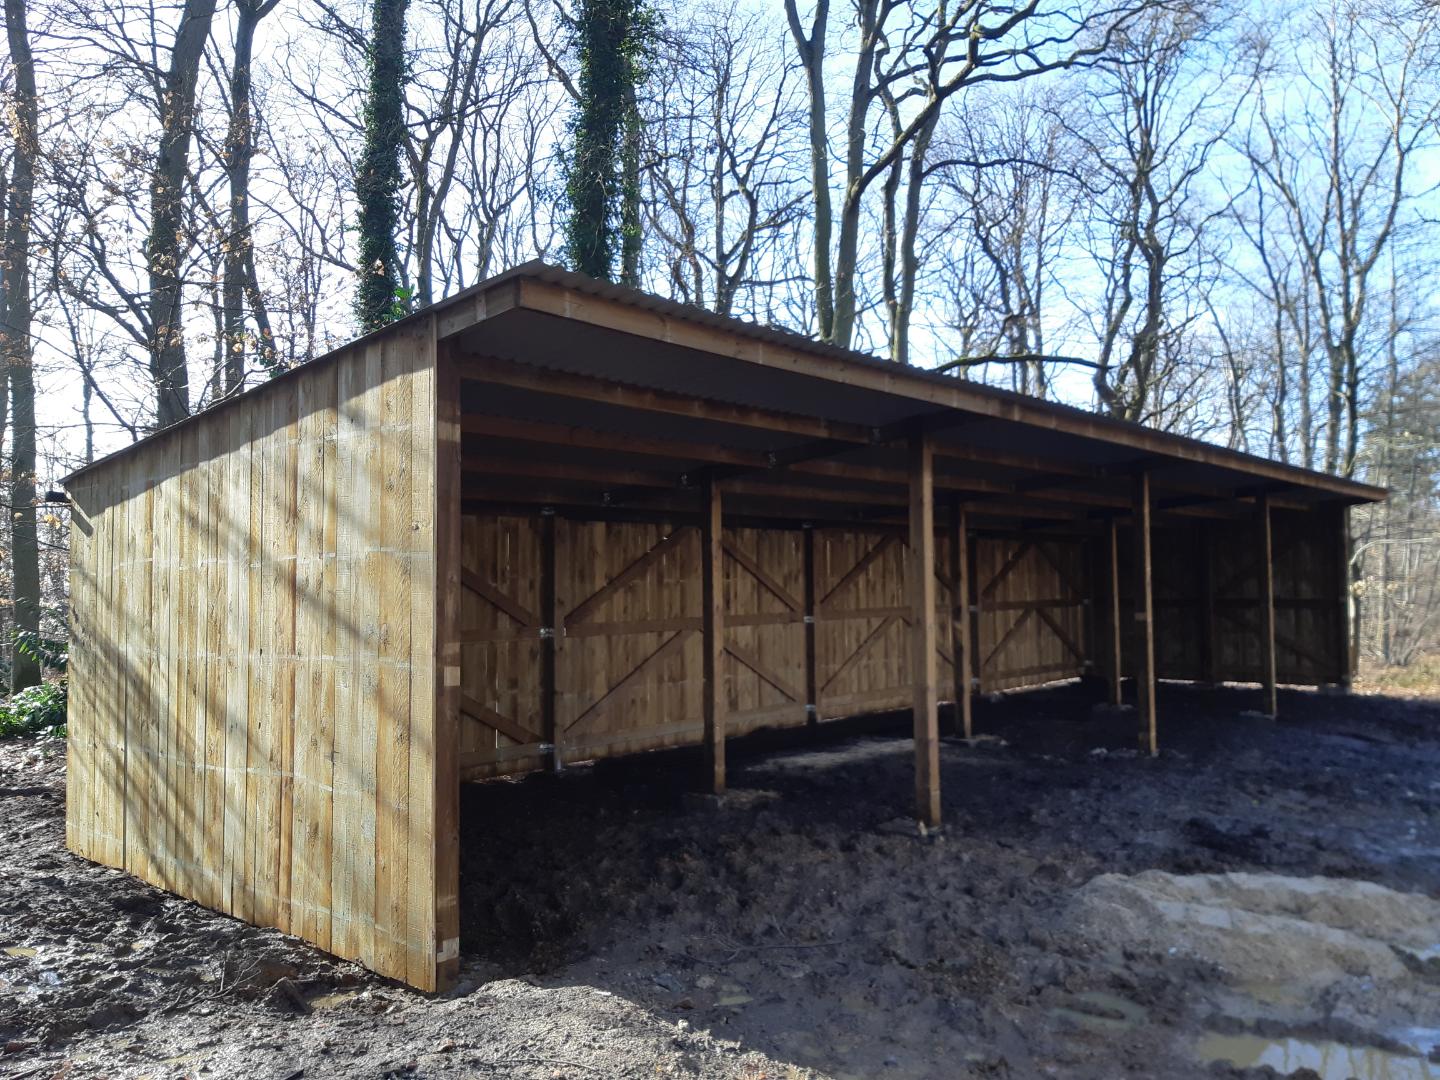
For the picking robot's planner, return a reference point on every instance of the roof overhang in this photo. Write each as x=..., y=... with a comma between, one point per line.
x=578, y=390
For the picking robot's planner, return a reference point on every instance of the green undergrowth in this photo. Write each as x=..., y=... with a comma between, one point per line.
x=40, y=710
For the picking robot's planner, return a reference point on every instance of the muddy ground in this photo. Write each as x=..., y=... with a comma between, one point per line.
x=1267, y=893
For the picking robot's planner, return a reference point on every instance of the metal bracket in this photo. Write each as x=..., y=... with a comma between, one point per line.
x=809, y=620
x=811, y=710
x=547, y=632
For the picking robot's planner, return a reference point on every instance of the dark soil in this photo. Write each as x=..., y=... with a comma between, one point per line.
x=615, y=924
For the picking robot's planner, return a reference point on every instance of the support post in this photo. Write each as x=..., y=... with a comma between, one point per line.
x=549, y=647
x=924, y=631
x=1265, y=543
x=1144, y=619
x=1344, y=617
x=1115, y=626
x=812, y=684
x=712, y=589
x=960, y=615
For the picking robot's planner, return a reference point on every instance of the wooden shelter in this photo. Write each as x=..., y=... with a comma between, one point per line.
x=551, y=520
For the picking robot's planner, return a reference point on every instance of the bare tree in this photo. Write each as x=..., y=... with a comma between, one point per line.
x=917, y=58
x=720, y=159
x=1157, y=107
x=166, y=247
x=1004, y=165
x=1340, y=155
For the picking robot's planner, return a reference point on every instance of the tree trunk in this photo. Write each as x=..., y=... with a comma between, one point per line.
x=239, y=148
x=812, y=60
x=18, y=354
x=909, y=234
x=167, y=246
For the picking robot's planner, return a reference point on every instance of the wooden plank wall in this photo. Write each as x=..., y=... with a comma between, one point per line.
x=1207, y=588
x=253, y=621
x=1031, y=595
x=627, y=636
x=627, y=645
x=1307, y=622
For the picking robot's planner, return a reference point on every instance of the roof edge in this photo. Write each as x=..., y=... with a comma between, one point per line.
x=546, y=273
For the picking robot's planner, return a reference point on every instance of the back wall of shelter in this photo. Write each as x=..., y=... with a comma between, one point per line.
x=585, y=635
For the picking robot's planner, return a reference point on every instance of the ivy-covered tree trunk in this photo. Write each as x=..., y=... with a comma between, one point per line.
x=15, y=320
x=603, y=180
x=377, y=177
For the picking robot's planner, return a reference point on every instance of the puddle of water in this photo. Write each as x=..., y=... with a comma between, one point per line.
x=23, y=951
x=1331, y=1060
x=1097, y=1010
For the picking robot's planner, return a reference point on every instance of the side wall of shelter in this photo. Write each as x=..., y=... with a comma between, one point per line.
x=252, y=719
x=585, y=636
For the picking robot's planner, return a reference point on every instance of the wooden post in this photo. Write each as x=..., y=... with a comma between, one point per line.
x=1115, y=627
x=1344, y=619
x=1265, y=544
x=960, y=616
x=924, y=632
x=1144, y=619
x=812, y=684
x=712, y=590
x=446, y=748
x=1208, y=644
x=549, y=647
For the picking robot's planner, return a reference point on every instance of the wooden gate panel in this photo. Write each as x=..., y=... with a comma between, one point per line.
x=502, y=728
x=1031, y=624
x=1307, y=610
x=945, y=611
x=1307, y=621
x=628, y=663
x=1179, y=582
x=861, y=643
x=764, y=666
